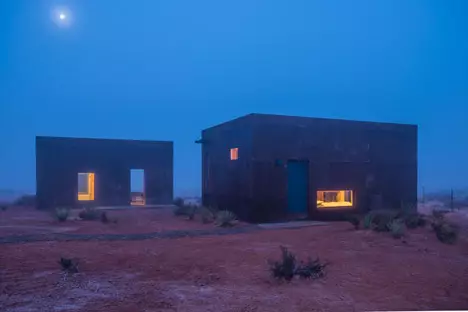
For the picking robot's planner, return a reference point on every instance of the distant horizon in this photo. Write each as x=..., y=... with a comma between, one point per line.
x=168, y=70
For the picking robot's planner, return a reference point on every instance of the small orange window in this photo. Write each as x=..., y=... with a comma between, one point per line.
x=234, y=153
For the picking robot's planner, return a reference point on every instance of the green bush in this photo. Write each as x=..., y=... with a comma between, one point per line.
x=286, y=267
x=89, y=214
x=62, y=213
x=225, y=218
x=397, y=228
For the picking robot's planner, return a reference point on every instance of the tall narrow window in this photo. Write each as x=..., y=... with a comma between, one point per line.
x=86, y=186
x=234, y=153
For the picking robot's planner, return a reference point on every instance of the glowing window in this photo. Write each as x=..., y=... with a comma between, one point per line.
x=86, y=186
x=334, y=199
x=234, y=153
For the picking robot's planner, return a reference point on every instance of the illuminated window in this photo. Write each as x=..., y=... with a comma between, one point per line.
x=234, y=153
x=85, y=186
x=334, y=199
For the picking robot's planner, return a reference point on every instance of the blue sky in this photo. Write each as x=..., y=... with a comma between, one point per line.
x=151, y=69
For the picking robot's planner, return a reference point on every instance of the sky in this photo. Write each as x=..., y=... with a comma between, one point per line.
x=165, y=70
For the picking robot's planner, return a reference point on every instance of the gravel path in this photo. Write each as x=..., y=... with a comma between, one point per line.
x=18, y=239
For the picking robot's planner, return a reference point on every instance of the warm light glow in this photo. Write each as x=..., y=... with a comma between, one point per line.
x=85, y=186
x=334, y=199
x=138, y=200
x=234, y=153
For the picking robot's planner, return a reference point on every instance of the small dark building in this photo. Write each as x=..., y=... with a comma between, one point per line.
x=269, y=167
x=77, y=172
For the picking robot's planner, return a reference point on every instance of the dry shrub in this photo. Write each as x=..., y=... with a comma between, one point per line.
x=225, y=218
x=62, y=213
x=311, y=269
x=397, y=228
x=286, y=268
x=378, y=220
x=207, y=215
x=179, y=202
x=446, y=232
x=354, y=220
x=69, y=265
x=89, y=214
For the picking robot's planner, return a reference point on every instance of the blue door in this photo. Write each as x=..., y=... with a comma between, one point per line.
x=298, y=182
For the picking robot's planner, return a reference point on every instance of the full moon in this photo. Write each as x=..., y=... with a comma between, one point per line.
x=62, y=16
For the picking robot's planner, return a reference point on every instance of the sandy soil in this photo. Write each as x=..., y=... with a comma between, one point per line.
x=368, y=271
x=26, y=220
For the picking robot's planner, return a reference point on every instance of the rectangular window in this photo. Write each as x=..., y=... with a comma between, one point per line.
x=86, y=186
x=334, y=199
x=234, y=153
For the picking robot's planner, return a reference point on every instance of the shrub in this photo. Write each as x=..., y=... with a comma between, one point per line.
x=354, y=220
x=62, y=213
x=208, y=215
x=104, y=218
x=414, y=220
x=192, y=209
x=286, y=267
x=179, y=202
x=225, y=218
x=397, y=228
x=438, y=214
x=378, y=220
x=89, y=214
x=25, y=200
x=69, y=265
x=3, y=207
x=311, y=269
x=446, y=233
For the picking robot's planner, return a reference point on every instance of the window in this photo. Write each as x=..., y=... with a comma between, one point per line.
x=86, y=186
x=234, y=153
x=137, y=187
x=334, y=199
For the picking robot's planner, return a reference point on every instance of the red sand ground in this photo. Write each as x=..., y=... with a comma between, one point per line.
x=368, y=271
x=25, y=221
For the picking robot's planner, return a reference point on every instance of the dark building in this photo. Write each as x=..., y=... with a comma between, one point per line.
x=270, y=167
x=77, y=172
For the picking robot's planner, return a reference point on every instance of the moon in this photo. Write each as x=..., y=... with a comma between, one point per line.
x=62, y=16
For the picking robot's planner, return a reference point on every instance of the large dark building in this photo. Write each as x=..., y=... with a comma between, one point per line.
x=270, y=167
x=77, y=172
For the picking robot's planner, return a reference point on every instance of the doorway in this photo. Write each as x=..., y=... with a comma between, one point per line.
x=137, y=187
x=298, y=187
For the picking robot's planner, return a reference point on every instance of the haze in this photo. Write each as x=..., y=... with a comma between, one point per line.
x=165, y=70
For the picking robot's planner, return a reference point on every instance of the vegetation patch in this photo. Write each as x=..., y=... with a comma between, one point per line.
x=62, y=213
x=225, y=218
x=446, y=232
x=69, y=265
x=89, y=214
x=288, y=267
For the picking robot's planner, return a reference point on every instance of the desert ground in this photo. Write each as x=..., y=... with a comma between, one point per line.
x=368, y=271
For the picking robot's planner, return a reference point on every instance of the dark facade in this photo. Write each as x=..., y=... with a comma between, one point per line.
x=288, y=167
x=60, y=160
